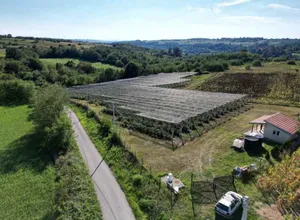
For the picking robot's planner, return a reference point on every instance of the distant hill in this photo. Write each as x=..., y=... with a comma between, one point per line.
x=265, y=47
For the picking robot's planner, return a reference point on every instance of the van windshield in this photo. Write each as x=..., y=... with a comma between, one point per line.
x=223, y=207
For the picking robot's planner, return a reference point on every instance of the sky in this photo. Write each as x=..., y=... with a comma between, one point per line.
x=151, y=19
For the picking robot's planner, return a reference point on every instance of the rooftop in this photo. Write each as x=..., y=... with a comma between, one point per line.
x=284, y=122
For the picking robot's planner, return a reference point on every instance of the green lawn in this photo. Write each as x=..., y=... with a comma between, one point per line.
x=53, y=61
x=2, y=53
x=27, y=177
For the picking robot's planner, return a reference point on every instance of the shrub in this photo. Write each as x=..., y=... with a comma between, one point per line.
x=146, y=204
x=213, y=67
x=16, y=92
x=236, y=63
x=137, y=180
x=34, y=64
x=248, y=67
x=48, y=105
x=12, y=66
x=114, y=140
x=198, y=71
x=257, y=63
x=291, y=62
x=104, y=128
x=58, y=136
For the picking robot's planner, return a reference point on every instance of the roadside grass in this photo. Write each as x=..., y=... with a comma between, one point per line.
x=2, y=53
x=207, y=156
x=27, y=176
x=54, y=61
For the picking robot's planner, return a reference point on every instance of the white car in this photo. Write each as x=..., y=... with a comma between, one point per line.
x=229, y=204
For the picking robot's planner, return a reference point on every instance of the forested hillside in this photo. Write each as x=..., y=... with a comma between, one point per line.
x=262, y=46
x=74, y=63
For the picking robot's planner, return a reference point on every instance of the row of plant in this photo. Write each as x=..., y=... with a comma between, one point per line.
x=144, y=193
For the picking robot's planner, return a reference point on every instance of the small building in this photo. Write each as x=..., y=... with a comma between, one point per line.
x=280, y=128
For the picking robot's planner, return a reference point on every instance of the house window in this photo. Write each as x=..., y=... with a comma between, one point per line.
x=274, y=132
x=278, y=132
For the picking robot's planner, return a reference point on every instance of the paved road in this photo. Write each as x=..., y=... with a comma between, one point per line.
x=113, y=202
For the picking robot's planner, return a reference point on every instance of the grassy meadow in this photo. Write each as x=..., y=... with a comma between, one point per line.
x=54, y=61
x=27, y=176
x=2, y=53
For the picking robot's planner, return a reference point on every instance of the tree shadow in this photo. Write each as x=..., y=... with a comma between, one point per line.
x=25, y=153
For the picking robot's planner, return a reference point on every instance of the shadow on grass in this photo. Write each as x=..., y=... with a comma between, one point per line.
x=24, y=153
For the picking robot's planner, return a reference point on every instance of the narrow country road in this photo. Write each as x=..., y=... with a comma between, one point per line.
x=112, y=199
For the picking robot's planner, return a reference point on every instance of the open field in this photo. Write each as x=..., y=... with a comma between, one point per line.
x=41, y=43
x=54, y=61
x=268, y=67
x=2, y=53
x=207, y=156
x=26, y=177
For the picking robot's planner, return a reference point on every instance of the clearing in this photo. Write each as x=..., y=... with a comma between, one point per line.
x=27, y=177
x=54, y=61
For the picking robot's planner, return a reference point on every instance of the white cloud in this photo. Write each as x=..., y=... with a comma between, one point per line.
x=282, y=7
x=196, y=9
x=252, y=19
x=232, y=3
x=217, y=8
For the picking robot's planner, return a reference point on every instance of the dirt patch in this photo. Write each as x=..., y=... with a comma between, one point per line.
x=270, y=212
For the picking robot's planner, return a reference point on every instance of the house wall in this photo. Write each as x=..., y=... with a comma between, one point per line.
x=281, y=138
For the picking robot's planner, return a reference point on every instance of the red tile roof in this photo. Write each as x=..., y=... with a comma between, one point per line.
x=284, y=122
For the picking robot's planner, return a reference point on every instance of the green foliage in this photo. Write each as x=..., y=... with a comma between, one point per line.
x=248, y=67
x=34, y=64
x=131, y=70
x=75, y=197
x=12, y=66
x=236, y=62
x=104, y=128
x=86, y=67
x=257, y=63
x=214, y=66
x=49, y=104
x=137, y=180
x=291, y=62
x=58, y=136
x=146, y=204
x=16, y=92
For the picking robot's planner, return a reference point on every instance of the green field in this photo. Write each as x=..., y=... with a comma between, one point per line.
x=2, y=53
x=98, y=65
x=27, y=178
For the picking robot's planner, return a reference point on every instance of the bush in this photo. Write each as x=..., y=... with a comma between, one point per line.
x=257, y=63
x=16, y=92
x=114, y=140
x=213, y=67
x=236, y=62
x=12, y=66
x=146, y=204
x=48, y=105
x=58, y=136
x=248, y=67
x=137, y=180
x=104, y=128
x=34, y=64
x=291, y=62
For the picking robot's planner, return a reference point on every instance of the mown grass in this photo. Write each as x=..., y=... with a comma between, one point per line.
x=2, y=53
x=27, y=176
x=54, y=61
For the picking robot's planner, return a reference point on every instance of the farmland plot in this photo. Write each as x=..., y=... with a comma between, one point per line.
x=145, y=104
